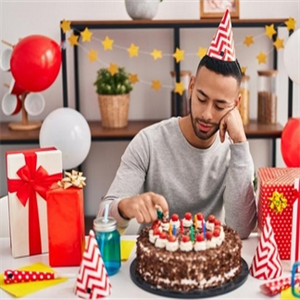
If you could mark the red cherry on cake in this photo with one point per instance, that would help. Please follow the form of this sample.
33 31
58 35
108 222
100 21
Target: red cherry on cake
172 238
211 218
175 217
188 216
216 232
209 235
217 222
200 216
218 227
156 224
156 231
199 238
163 235
185 238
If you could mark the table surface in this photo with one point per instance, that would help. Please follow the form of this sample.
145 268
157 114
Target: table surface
122 285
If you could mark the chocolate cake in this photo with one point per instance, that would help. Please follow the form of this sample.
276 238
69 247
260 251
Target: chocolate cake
186 255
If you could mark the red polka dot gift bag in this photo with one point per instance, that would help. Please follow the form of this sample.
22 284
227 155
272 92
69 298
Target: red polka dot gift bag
275 197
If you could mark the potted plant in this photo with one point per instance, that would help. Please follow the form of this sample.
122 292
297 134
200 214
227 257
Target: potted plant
113 90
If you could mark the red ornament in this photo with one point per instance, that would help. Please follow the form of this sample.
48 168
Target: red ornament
35 62
188 216
290 143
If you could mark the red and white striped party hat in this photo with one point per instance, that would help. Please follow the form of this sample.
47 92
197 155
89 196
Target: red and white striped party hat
222 45
92 280
266 263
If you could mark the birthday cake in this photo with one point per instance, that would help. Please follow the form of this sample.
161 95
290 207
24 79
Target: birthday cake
188 254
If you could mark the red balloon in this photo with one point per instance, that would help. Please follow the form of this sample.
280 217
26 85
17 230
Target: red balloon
35 62
290 143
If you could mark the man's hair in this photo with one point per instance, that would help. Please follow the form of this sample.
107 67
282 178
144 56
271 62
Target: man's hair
226 68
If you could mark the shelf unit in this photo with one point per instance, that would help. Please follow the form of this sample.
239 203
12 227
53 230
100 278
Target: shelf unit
253 130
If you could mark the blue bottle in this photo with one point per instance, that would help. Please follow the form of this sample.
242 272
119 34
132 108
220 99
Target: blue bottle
108 239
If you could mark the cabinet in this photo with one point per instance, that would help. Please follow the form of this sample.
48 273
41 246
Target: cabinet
253 130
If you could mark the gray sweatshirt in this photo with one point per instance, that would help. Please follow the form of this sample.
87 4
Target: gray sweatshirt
217 180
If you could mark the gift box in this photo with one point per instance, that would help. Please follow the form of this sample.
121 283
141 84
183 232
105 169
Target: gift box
295 244
65 208
276 197
30 173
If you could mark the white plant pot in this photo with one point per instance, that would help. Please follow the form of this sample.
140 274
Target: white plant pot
142 9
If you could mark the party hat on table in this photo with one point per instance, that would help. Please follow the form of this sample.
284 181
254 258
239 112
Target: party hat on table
92 280
222 45
266 263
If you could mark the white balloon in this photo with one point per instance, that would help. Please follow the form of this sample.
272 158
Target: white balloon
68 131
291 56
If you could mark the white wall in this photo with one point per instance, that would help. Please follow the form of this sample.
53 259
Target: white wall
22 18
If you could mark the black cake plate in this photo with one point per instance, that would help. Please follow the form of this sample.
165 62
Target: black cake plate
210 292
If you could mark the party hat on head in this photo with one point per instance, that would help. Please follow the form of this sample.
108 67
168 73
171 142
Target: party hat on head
222 45
92 280
266 263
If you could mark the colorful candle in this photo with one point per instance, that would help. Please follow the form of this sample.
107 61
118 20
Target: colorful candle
195 222
174 230
192 233
170 228
181 226
159 214
203 228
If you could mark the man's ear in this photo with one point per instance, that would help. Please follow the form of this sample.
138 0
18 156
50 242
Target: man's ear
191 85
238 100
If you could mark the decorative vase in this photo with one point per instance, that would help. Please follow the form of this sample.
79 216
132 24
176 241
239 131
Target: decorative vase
142 9
114 110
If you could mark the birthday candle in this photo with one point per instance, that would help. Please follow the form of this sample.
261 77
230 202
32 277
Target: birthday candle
203 228
181 226
192 233
170 228
195 222
174 230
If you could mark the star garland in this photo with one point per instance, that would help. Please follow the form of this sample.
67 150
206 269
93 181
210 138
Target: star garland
178 55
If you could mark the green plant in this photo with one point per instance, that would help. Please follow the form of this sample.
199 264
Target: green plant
116 84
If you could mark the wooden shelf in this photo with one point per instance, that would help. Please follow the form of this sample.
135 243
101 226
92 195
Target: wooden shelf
7 136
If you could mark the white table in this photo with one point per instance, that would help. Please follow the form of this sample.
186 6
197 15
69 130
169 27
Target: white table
122 285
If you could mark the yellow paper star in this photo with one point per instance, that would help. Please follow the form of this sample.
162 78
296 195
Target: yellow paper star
270 31
93 55
156 85
201 52
133 78
156 54
278 43
86 35
261 57
73 39
107 43
179 88
65 26
179 55
290 24
243 69
113 69
133 50
248 40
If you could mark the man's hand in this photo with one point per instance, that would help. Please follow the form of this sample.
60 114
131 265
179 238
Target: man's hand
143 207
233 124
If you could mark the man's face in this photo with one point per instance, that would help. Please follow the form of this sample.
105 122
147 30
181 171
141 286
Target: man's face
212 96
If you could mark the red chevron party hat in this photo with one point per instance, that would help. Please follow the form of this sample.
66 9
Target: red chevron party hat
266 263
92 280
222 45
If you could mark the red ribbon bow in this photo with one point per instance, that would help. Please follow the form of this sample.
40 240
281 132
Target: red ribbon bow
32 181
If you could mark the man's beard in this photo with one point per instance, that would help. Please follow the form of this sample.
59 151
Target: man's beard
201 134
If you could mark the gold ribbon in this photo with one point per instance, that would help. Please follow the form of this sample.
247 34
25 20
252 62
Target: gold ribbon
74 179
278 202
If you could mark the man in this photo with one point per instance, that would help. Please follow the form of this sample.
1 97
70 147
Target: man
197 163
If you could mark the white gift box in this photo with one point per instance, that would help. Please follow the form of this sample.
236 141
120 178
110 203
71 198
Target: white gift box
30 173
